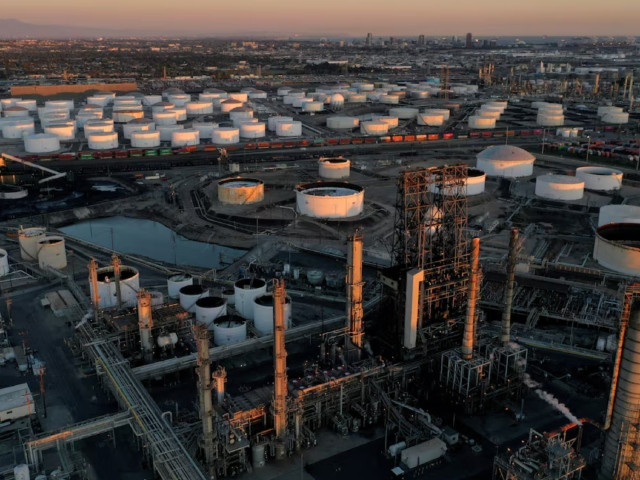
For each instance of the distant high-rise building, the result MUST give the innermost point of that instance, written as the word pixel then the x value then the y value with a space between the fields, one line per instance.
pixel 469 43
pixel 369 39
pixel 421 41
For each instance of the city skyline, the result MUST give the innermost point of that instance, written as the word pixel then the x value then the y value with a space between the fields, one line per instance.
pixel 334 18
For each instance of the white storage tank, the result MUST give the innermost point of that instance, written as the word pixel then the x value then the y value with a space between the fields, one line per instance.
pixel 263 313
pixel 473 185
pixel 4 262
pixel 329 199
pixel 129 286
pixel 98 126
pixel 374 128
pixel 559 187
pixel 430 119
pixel 60 104
pixel 240 113
pixel 199 108
pixel 334 168
pixel 617 247
pixel 63 130
pixel 52 253
pixel 488 114
pixel 239 96
pixel 212 93
pixel 176 282
pixel 225 135
pixel 150 100
pixel 312 107
pixel 282 91
pixel 21 472
pixel 102 140
pixel 343 123
pixel 272 121
pixel 289 129
pixel 618 214
pixel 445 112
pixel 53 117
pixel 258 95
pixel 28 239
pixel 166 131
pixel 550 119
pixel 227 105
pixel 41 143
pixel 230 296
pixel 29 104
pixel 133 107
pixel 608 109
pixel 600 179
pixel 186 137
pixel 180 99
pixel 481 123
pixel 8 102
pixel 124 116
pixel 208 309
pixel 166 117
pixel 357 98
pixel 616 118
pixel 145 139
pixel 161 107
pixel 180 113
pixel 505 161
pixel 190 294
pixel 245 290
pixel 403 113
pixel 204 128
pixel 98 100
pixel 253 130
pixel 228 330
pixel 241 121
pixel 18 128
pixel 240 191
pixel 389 99
pixel 137 125
pixel 84 117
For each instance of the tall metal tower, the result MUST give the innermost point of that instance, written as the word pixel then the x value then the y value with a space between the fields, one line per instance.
pixel 355 312
pixel 205 386
pixel 280 361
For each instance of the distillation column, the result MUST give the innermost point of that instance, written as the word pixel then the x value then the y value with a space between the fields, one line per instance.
pixel 205 385
pixel 220 378
pixel 280 362
pixel 93 281
pixel 354 283
pixel 474 283
pixel 145 322
pixel 116 276
pixel 505 333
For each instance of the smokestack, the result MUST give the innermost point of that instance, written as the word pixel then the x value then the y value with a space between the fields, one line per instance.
pixel 280 361
pixel 93 281
pixel 620 458
pixel 470 322
pixel 145 321
pixel 354 293
pixel 220 378
pixel 116 277
pixel 203 369
pixel 505 334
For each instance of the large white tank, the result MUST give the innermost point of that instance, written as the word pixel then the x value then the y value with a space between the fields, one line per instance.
pixel 21 472
pixel 98 126
pixel 190 294
pixel 129 107
pixel 4 262
pixel 228 330
pixel 145 139
pixel 246 289
pixel 41 143
pixel 253 130
pixel 29 104
pixel 103 140
pixel 129 286
pixel 166 117
pixel 8 102
pixel 374 128
pixel 241 121
pixel 61 104
pixel 616 118
pixel 84 117
pixel 208 309
pixel 403 113
pixel 240 191
pixel 600 179
pixel 289 129
pixel 481 123
pixel 272 121
pixel 263 313
pixel 18 128
pixel 180 99
pixel 364 86
pixel 239 96
pixel 138 125
pixel 357 98
pixel 282 91
pixel 430 119
pixel 149 100
pixel 488 114
pixel 334 168
pixel 52 253
pixel 176 282
pixel 550 119
pixel 618 214
pixel 227 105
pixel 559 187
pixel 63 130
pixel 225 135
pixel 212 93
pixel 124 116
pixel 166 131
pixel 186 137
pixel 171 91
pixel 98 100
pixel 505 161
pixel 617 246
pixel 199 108
pixel 473 185
pixel 343 123
pixel 204 128
pixel 607 109
pixel 336 101
pixel 389 99
pixel 56 116
pixel 241 113
pixel 329 199
pixel 28 239
pixel 180 113
pixel 417 93
pixel 314 107
pixel 258 95
pixel 161 107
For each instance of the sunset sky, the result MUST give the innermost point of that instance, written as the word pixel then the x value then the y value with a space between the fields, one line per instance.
pixel 340 17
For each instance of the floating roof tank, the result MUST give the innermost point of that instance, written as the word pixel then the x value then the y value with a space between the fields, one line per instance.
pixel 374 128
pixel 334 168
pixel 209 309
pixel 166 131
pixel 617 247
pixel 229 329
pixel 52 253
pixel 62 130
pixel 41 143
pixel 180 113
pixel 263 313
pixel 329 199
pixel 252 130
pixel 28 239
pixel 176 282
pixel 618 214
pixel 138 125
pixel 559 187
pixel 404 113
pixel 240 191
pixel 272 121
pixel 18 128
pixel 199 108
pixel 205 128
pixel 190 294
pixel 125 116
pixel 145 139
pixel 246 290
pixel 288 129
pixel 103 140
pixel 343 123
pixel 481 123
pixel 129 286
pixel 186 137
pixel 225 135
pixel 600 179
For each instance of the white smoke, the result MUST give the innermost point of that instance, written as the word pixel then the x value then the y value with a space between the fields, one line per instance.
pixel 550 399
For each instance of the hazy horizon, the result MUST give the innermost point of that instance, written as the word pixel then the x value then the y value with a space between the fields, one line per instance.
pixel 335 18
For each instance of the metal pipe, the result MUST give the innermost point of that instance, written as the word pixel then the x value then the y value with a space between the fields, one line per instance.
pixel 93 280
pixel 505 334
pixel 145 321
pixel 116 277
pixel 470 322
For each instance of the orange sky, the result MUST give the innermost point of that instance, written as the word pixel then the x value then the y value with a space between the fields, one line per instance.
pixel 350 17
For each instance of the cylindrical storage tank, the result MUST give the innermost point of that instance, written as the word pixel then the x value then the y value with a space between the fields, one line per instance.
pixel 98 100
pixel 438 111
pixel 297 102
pixel 263 313
pixel 225 135
pixel 180 99
pixel 343 123
pixel 171 91
pixel 124 116
pixel 364 87
pixel 180 113
pixel 616 118
pixel 208 309
pixel 64 130
pixel 312 107
pixel 419 94
pixel 600 179
pixel 252 130
pixel 329 199
pixel 550 120
pixel 150 100
pixel 246 289
pixel 162 107
pixel 84 117
pixel 61 104
pixel 315 277
pixel 559 187
pixel 57 116
pixel 229 329
pixel 239 96
pixel 606 110
pixel 190 294
pixel 8 102
pixel 21 472
pixel 257 455
pixel 98 126
pixel 473 185
pixel 227 105
pixel 18 128
pixel 374 128
pixel 176 282
pixel 199 108
pixel 240 191
pixel 430 119
pixel 52 253
pixel 41 143
pixel 4 262
pixel 389 99
pixel 492 108
pixel 138 125
pixel 488 114
pixel 289 129
pixel 212 93
pixel 505 161
pixel 166 131
pixel 334 168
pixel 186 137
pixel 272 121
pixel 167 117
pixel 357 98
pixel 481 123
pixel 145 139
pixel 258 95
pixel 282 91
pixel 230 296
pixel 297 94
pixel 205 129
pixel 241 113
pixel 29 104
pixel 618 214
pixel 129 286
pixel 617 247
pixel 28 239
pixel 403 113
pixel 103 140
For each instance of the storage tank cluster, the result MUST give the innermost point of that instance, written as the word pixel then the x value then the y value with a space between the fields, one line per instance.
pixel 613 115
pixel 600 179
pixel 334 168
pixel 240 191
pixel 505 161
pixel 617 247
pixel 107 291
pixel 329 200
pixel 549 114
pixel 559 187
